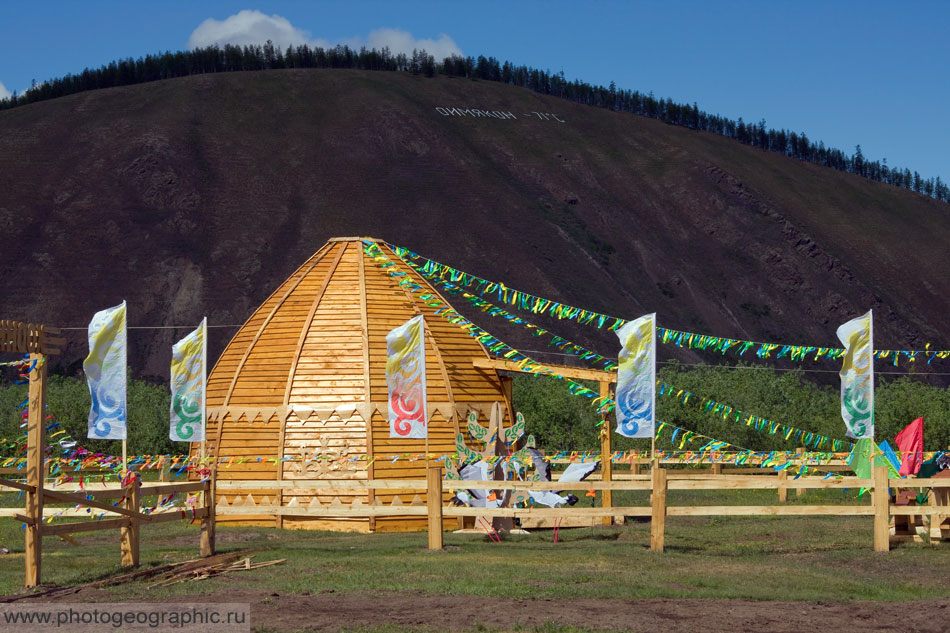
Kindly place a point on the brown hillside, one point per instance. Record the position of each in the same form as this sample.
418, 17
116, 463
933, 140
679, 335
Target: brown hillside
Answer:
200, 195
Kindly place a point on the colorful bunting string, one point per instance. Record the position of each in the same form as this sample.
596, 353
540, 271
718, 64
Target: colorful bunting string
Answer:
433, 270
494, 345
726, 412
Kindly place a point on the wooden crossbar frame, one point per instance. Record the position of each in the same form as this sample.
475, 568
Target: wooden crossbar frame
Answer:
36, 341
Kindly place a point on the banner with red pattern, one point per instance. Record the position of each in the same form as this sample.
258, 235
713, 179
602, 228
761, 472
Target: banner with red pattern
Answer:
406, 379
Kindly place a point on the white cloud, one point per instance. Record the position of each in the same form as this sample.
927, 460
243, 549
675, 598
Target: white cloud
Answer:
403, 42
4, 93
253, 27
250, 27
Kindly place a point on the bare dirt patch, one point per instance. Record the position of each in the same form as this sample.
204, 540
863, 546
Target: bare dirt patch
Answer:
333, 610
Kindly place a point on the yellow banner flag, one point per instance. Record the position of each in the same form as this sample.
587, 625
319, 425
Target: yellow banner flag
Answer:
857, 376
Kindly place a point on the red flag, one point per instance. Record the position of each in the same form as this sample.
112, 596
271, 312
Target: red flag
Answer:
910, 443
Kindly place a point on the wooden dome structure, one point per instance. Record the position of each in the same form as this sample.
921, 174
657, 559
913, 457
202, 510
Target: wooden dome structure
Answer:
300, 391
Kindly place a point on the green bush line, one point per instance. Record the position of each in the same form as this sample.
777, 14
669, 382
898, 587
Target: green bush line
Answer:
561, 421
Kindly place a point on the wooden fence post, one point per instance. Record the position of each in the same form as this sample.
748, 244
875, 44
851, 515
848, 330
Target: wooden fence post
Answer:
880, 499
658, 506
606, 465
130, 535
717, 468
434, 505
35, 468
782, 488
206, 547
800, 454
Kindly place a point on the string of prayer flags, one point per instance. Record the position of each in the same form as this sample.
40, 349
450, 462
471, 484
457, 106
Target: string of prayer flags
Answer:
764, 425
494, 345
433, 270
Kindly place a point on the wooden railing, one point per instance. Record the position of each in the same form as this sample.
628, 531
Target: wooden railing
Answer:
127, 516
658, 482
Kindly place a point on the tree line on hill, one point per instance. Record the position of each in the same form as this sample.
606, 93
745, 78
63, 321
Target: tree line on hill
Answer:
231, 58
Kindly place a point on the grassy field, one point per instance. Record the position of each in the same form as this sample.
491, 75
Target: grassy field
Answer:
759, 558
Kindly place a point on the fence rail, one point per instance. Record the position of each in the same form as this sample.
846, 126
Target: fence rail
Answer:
658, 482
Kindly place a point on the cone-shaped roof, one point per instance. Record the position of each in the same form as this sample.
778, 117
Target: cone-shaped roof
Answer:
319, 341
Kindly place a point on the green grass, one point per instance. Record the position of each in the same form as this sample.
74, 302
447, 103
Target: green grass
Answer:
761, 558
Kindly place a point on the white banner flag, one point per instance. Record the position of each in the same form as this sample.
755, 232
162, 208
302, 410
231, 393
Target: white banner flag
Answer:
188, 383
406, 379
636, 378
105, 369
857, 376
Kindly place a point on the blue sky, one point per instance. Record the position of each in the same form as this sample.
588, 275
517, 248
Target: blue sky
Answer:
872, 73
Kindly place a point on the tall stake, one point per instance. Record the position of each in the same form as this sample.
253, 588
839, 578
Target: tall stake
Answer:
204, 388
35, 468
606, 465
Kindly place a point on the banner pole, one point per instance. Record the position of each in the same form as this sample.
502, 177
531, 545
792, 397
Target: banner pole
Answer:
204, 388
125, 459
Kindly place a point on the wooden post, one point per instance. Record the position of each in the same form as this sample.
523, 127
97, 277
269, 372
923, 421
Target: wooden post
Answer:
502, 525
800, 454
658, 505
880, 499
434, 505
207, 522
130, 535
634, 465
717, 468
35, 468
782, 488
606, 465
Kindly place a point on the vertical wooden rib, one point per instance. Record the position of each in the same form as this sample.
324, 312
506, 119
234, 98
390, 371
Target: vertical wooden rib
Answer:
279, 519
364, 325
309, 320
260, 330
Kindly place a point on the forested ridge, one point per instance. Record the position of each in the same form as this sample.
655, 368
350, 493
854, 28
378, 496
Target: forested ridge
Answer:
232, 58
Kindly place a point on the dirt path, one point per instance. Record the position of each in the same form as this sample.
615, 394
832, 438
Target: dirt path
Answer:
330, 611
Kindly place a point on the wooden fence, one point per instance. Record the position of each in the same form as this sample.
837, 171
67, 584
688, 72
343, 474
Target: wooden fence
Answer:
658, 482
127, 515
